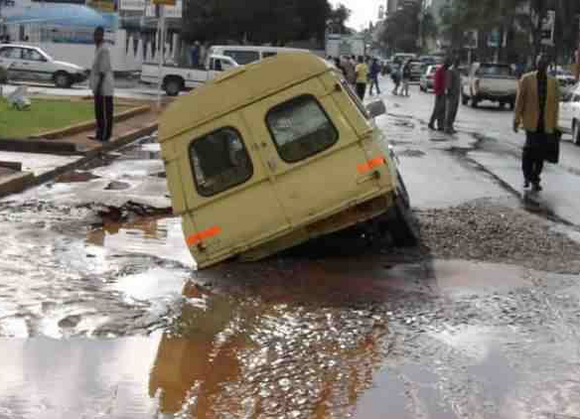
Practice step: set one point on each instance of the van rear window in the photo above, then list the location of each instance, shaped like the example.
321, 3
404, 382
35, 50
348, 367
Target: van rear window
243, 57
300, 128
220, 161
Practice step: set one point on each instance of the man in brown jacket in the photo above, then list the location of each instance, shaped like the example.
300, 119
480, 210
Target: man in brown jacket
537, 108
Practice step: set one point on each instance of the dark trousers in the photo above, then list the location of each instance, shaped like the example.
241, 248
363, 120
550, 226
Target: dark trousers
104, 117
438, 112
452, 105
375, 84
361, 89
533, 156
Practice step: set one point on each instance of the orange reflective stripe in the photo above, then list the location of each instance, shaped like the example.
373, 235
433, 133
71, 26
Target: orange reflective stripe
206, 234
371, 164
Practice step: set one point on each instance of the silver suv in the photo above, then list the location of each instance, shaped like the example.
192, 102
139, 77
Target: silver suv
26, 63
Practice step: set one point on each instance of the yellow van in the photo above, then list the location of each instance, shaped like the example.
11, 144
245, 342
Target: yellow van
275, 153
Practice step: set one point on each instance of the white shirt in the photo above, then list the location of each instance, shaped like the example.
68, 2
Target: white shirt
102, 65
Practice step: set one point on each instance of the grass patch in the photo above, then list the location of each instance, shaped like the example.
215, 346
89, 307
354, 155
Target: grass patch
45, 115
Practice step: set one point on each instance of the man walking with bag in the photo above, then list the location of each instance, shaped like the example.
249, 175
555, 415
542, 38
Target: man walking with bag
537, 109
102, 86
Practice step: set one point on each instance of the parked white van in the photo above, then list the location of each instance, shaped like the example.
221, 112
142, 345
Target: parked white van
245, 54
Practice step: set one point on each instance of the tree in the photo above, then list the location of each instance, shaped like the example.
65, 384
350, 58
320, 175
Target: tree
338, 17
402, 29
258, 21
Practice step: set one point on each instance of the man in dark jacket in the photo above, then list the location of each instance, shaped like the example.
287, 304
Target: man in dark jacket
439, 87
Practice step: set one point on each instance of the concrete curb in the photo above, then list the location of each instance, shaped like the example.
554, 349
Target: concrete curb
86, 126
27, 180
15, 183
39, 146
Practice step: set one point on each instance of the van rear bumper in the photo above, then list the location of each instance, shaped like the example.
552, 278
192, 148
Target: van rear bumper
347, 217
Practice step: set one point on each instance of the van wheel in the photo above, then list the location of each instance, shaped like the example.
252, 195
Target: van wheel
173, 86
401, 223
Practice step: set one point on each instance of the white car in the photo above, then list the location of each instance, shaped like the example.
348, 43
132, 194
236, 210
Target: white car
427, 78
570, 113
26, 63
175, 78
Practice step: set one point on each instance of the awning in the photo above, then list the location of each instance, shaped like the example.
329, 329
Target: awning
66, 15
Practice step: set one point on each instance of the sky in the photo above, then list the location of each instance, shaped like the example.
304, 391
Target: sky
363, 11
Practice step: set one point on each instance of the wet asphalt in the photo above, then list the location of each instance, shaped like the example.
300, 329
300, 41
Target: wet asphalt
102, 314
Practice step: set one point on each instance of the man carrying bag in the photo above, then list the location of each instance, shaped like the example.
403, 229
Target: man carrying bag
537, 108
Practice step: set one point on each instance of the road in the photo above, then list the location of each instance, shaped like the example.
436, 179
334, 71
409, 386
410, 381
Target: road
103, 315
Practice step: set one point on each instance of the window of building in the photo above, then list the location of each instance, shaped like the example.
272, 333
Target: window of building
220, 161
243, 57
300, 128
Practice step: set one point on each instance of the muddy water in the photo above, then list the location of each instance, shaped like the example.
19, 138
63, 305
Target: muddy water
108, 319
298, 338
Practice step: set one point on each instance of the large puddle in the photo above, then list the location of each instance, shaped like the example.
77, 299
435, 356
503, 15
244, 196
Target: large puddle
321, 339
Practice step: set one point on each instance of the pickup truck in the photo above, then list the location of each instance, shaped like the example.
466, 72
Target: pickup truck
176, 79
489, 81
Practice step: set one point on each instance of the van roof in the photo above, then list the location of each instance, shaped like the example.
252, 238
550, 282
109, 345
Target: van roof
238, 88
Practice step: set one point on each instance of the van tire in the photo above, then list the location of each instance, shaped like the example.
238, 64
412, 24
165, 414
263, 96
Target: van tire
173, 85
401, 224
576, 132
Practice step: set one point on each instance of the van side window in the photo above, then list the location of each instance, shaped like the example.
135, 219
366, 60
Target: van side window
268, 54
243, 57
354, 98
300, 128
220, 161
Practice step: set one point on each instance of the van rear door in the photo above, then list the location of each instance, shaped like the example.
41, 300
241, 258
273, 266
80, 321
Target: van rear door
231, 203
316, 157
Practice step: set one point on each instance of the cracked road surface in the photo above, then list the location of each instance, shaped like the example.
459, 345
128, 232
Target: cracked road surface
102, 313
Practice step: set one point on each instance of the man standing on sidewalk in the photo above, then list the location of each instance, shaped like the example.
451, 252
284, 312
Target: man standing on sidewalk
537, 108
102, 82
453, 93
439, 81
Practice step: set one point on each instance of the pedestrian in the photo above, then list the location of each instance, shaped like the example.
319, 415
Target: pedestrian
406, 77
102, 85
537, 109
349, 71
362, 77
452, 93
396, 77
195, 54
439, 87
374, 72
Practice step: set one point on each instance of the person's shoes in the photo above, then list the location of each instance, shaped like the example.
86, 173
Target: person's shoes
431, 127
440, 129
92, 137
526, 184
536, 187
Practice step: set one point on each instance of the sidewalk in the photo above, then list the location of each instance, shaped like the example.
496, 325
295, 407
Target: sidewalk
43, 159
